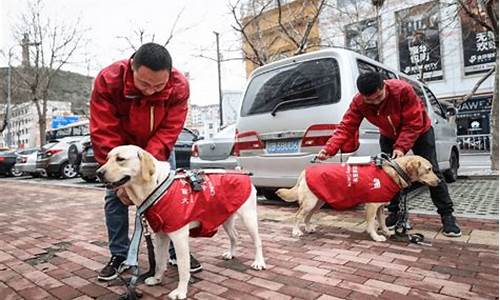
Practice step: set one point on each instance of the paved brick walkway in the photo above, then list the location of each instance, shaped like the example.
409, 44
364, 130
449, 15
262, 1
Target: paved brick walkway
53, 242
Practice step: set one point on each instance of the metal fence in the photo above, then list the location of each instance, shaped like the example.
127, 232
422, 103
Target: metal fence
474, 143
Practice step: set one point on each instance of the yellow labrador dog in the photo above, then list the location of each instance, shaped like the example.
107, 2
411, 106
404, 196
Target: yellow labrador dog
134, 170
339, 182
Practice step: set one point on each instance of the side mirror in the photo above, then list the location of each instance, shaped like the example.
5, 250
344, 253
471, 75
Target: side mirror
199, 138
451, 111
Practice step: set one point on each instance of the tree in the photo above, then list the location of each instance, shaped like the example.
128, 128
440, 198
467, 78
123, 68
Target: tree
52, 45
485, 13
257, 20
141, 35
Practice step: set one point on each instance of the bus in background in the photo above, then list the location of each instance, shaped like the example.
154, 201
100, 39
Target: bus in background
80, 128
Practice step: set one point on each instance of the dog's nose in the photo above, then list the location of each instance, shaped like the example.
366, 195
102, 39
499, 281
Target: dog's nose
100, 174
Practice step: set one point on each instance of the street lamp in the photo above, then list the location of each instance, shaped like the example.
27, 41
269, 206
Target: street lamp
218, 73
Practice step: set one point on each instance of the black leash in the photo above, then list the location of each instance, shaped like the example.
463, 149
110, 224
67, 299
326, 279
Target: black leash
402, 224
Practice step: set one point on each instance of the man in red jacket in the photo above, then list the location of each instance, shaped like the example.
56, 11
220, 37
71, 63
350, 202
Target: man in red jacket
404, 124
140, 101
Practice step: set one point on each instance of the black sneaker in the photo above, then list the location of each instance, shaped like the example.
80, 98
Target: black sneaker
195, 264
393, 218
450, 227
110, 271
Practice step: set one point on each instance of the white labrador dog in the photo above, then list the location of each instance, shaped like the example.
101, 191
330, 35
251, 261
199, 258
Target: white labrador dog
134, 170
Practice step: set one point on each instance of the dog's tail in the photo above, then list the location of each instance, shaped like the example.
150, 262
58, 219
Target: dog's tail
290, 195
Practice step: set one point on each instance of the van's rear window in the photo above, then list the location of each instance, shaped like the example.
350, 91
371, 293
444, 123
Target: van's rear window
304, 84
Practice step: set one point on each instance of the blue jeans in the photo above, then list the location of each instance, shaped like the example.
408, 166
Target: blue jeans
117, 221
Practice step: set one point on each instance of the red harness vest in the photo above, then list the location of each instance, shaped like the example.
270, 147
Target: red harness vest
221, 196
344, 186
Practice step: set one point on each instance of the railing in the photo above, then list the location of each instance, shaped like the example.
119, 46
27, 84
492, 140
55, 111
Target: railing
474, 143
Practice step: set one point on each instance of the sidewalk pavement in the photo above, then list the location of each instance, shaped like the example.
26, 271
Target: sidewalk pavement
53, 242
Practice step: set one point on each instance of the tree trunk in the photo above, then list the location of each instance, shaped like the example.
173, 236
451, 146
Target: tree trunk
494, 122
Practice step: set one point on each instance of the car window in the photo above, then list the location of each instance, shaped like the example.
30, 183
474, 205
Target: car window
185, 136
227, 132
436, 107
366, 67
418, 90
304, 84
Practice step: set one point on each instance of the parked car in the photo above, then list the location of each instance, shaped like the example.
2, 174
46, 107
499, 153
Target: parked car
81, 154
291, 107
215, 152
26, 162
183, 147
7, 162
53, 158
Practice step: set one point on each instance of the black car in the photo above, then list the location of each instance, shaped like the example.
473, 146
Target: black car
7, 162
83, 155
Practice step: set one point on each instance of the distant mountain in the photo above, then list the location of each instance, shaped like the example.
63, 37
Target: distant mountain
66, 86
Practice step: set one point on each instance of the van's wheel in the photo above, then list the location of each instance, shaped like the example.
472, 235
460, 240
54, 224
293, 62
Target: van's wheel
270, 194
68, 171
451, 174
89, 179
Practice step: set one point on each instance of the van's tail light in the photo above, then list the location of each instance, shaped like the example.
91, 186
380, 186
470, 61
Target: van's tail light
52, 152
2, 158
248, 140
318, 135
194, 151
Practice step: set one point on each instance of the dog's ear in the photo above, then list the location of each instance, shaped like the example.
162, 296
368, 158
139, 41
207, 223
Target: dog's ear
147, 165
412, 167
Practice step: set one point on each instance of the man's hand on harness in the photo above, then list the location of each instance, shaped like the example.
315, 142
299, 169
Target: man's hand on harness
396, 153
322, 155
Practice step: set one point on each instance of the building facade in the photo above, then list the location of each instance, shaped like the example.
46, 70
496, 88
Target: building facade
433, 40
24, 128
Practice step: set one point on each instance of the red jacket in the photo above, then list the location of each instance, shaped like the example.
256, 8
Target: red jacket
401, 117
222, 195
120, 114
344, 186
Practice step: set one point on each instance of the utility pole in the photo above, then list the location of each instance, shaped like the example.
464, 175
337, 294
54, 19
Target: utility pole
218, 73
9, 97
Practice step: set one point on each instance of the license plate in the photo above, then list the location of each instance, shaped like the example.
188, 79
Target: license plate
287, 146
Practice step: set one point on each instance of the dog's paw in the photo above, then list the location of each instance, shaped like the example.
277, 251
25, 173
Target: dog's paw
152, 281
310, 228
227, 255
177, 294
388, 233
297, 233
258, 265
379, 238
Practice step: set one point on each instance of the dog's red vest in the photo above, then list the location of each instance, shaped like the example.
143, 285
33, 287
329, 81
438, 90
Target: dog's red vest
344, 186
221, 196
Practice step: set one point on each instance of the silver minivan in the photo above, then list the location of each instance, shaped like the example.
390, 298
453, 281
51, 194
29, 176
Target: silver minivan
291, 108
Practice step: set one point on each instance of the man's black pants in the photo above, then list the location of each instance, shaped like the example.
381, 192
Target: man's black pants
424, 146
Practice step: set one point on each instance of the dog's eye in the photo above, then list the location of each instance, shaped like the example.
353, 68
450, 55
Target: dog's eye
118, 158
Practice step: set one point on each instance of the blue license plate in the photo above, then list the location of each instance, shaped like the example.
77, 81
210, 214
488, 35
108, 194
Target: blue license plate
286, 146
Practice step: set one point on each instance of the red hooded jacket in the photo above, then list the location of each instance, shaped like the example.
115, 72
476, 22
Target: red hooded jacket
401, 117
221, 196
344, 186
120, 114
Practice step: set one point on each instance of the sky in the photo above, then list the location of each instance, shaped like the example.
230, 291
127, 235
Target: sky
108, 20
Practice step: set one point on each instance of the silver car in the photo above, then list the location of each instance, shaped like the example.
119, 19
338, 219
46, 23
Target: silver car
291, 107
26, 162
215, 152
54, 158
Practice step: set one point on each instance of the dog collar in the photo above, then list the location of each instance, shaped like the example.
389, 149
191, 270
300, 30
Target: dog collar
133, 250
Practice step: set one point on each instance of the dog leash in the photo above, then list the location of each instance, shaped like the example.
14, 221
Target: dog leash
139, 227
401, 227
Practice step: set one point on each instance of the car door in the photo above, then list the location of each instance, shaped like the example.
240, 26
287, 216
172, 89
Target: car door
444, 130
